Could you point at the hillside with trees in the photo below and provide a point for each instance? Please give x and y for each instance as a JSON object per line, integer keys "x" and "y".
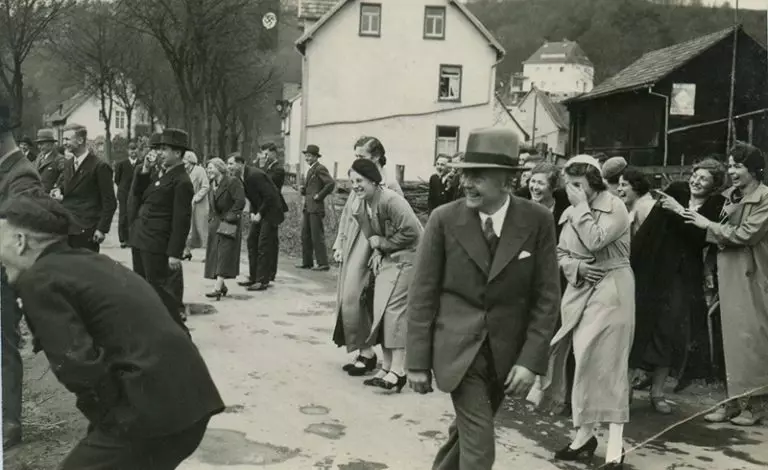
{"x": 613, "y": 33}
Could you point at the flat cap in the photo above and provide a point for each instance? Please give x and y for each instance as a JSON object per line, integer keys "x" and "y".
{"x": 38, "y": 213}
{"x": 613, "y": 167}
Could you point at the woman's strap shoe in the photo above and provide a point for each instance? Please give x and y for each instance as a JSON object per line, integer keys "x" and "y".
{"x": 397, "y": 386}
{"x": 363, "y": 366}
{"x": 584, "y": 452}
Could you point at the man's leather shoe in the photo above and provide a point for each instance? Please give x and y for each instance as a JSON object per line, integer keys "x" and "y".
{"x": 246, "y": 283}
{"x": 303, "y": 266}
{"x": 321, "y": 268}
{"x": 259, "y": 287}
{"x": 11, "y": 435}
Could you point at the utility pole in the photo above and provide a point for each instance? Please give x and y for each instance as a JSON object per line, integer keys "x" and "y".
{"x": 535, "y": 107}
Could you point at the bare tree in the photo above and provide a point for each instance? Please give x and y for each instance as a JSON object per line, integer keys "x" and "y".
{"x": 92, "y": 44}
{"x": 23, "y": 24}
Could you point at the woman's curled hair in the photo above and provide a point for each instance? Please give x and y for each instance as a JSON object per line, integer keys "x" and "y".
{"x": 591, "y": 173}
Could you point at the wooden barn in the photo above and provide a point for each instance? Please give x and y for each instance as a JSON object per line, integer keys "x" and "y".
{"x": 673, "y": 105}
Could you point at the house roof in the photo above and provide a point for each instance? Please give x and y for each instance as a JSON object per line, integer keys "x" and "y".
{"x": 314, "y": 9}
{"x": 500, "y": 104}
{"x": 563, "y": 52}
{"x": 557, "y": 111}
{"x": 67, "y": 107}
{"x": 301, "y": 43}
{"x": 655, "y": 65}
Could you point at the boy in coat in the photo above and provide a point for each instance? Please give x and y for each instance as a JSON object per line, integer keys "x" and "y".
{"x": 163, "y": 216}
{"x": 17, "y": 177}
{"x": 317, "y": 186}
{"x": 124, "y": 170}
{"x": 87, "y": 191}
{"x": 138, "y": 378}
{"x": 485, "y": 298}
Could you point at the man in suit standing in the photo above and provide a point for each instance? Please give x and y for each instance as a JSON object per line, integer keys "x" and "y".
{"x": 485, "y": 298}
{"x": 159, "y": 233}
{"x": 267, "y": 213}
{"x": 49, "y": 163}
{"x": 28, "y": 148}
{"x": 87, "y": 191}
{"x": 318, "y": 184}
{"x": 17, "y": 177}
{"x": 124, "y": 170}
{"x": 439, "y": 184}
{"x": 139, "y": 380}
{"x": 274, "y": 169}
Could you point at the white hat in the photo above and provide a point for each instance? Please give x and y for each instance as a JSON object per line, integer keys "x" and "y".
{"x": 584, "y": 158}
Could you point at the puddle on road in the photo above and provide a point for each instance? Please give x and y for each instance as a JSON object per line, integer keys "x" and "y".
{"x": 325, "y": 464}
{"x": 436, "y": 435}
{"x": 202, "y": 309}
{"x": 238, "y": 297}
{"x": 282, "y": 323}
{"x": 304, "y": 339}
{"x": 314, "y": 410}
{"x": 225, "y": 447}
{"x": 362, "y": 465}
{"x": 311, "y": 313}
{"x": 327, "y": 430}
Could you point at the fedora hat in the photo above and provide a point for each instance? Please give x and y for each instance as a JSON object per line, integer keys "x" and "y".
{"x": 312, "y": 150}
{"x": 174, "y": 138}
{"x": 46, "y": 135}
{"x": 154, "y": 140}
{"x": 491, "y": 148}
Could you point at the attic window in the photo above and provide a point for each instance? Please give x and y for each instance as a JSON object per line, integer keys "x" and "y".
{"x": 434, "y": 23}
{"x": 370, "y": 19}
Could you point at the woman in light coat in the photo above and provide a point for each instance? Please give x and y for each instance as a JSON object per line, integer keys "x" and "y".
{"x": 393, "y": 231}
{"x": 742, "y": 266}
{"x": 198, "y": 230}
{"x": 598, "y": 313}
{"x": 353, "y": 323}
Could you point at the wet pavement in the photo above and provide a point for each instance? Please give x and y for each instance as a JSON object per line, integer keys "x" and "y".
{"x": 291, "y": 407}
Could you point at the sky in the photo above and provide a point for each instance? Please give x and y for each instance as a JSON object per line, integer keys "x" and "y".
{"x": 747, "y": 4}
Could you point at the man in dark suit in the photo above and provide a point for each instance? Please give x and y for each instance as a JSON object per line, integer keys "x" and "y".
{"x": 485, "y": 298}
{"x": 163, "y": 217}
{"x": 86, "y": 190}
{"x": 318, "y": 184}
{"x": 28, "y": 148}
{"x": 49, "y": 163}
{"x": 439, "y": 184}
{"x": 267, "y": 213}
{"x": 275, "y": 170}
{"x": 124, "y": 170}
{"x": 17, "y": 177}
{"x": 139, "y": 380}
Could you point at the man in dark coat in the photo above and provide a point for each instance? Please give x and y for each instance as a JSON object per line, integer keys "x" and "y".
{"x": 318, "y": 184}
{"x": 28, "y": 148}
{"x": 484, "y": 299}
{"x": 124, "y": 170}
{"x": 271, "y": 165}
{"x": 17, "y": 177}
{"x": 87, "y": 191}
{"x": 163, "y": 217}
{"x": 49, "y": 163}
{"x": 139, "y": 380}
{"x": 267, "y": 213}
{"x": 439, "y": 184}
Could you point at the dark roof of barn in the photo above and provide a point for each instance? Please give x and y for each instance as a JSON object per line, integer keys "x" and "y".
{"x": 655, "y": 65}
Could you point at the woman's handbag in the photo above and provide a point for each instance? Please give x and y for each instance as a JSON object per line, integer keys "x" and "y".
{"x": 227, "y": 229}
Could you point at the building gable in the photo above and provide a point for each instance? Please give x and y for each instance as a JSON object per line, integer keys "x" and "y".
{"x": 564, "y": 52}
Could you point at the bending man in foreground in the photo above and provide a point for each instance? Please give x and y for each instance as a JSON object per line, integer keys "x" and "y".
{"x": 139, "y": 379}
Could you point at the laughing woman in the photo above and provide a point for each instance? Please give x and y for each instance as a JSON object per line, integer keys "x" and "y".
{"x": 742, "y": 266}
{"x": 393, "y": 231}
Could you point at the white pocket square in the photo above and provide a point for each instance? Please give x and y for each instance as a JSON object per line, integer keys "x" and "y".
{"x": 523, "y": 255}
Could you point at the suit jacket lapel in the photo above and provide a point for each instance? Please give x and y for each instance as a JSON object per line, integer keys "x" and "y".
{"x": 470, "y": 236}
{"x": 514, "y": 233}
{"x": 78, "y": 173}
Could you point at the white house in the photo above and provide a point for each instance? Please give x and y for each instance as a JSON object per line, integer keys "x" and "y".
{"x": 417, "y": 74}
{"x": 560, "y": 68}
{"x": 545, "y": 121}
{"x": 85, "y": 109}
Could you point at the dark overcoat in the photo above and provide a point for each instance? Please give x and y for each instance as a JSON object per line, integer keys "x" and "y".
{"x": 124, "y": 171}
{"x": 50, "y": 167}
{"x": 264, "y": 196}
{"x": 320, "y": 184}
{"x": 459, "y": 296}
{"x": 222, "y": 255}
{"x": 111, "y": 342}
{"x": 89, "y": 194}
{"x": 163, "y": 211}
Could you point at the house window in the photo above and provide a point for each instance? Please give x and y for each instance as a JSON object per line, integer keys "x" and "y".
{"x": 447, "y": 140}
{"x": 370, "y": 19}
{"x": 434, "y": 23}
{"x": 101, "y": 116}
{"x": 450, "y": 83}
{"x": 562, "y": 69}
{"x": 119, "y": 119}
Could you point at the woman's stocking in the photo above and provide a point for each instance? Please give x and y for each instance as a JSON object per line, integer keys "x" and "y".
{"x": 398, "y": 361}
{"x": 615, "y": 443}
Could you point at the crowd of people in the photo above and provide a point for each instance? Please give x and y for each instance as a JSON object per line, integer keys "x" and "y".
{"x": 569, "y": 286}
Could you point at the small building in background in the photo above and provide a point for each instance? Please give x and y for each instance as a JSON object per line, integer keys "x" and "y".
{"x": 418, "y": 74}
{"x": 543, "y": 120}
{"x": 561, "y": 69}
{"x": 671, "y": 106}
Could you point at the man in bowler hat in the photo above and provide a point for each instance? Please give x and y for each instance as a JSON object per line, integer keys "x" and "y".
{"x": 138, "y": 378}
{"x": 158, "y": 234}
{"x": 86, "y": 190}
{"x": 49, "y": 163}
{"x": 485, "y": 298}
{"x": 318, "y": 184}
{"x": 17, "y": 177}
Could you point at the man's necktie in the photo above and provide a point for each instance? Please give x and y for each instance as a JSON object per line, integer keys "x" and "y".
{"x": 490, "y": 236}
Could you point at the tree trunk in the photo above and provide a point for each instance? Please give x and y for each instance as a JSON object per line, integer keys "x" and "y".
{"x": 18, "y": 95}
{"x": 246, "y": 124}
{"x": 129, "y": 121}
{"x": 221, "y": 143}
{"x": 234, "y": 133}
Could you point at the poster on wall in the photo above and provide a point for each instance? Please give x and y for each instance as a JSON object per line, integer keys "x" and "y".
{"x": 683, "y": 99}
